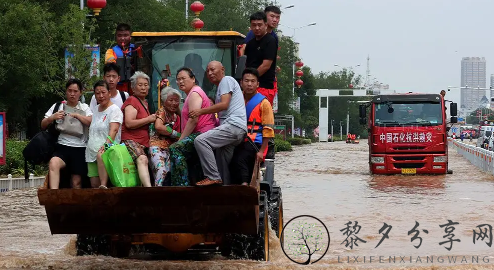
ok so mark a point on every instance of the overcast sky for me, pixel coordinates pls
(413, 45)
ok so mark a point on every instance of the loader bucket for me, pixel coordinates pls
(213, 209)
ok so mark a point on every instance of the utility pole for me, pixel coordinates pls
(348, 118)
(186, 9)
(332, 140)
(341, 132)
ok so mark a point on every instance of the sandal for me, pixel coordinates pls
(209, 182)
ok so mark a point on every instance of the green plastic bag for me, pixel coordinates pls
(121, 169)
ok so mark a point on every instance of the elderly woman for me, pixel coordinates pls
(107, 119)
(167, 127)
(191, 127)
(69, 150)
(135, 128)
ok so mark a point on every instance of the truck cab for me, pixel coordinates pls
(408, 133)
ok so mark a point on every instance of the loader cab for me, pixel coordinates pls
(163, 53)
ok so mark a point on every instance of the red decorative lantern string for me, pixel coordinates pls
(96, 6)
(197, 7)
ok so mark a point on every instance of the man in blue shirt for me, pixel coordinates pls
(273, 14)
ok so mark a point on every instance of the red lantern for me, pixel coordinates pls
(299, 83)
(197, 24)
(279, 48)
(299, 64)
(351, 86)
(299, 73)
(96, 5)
(197, 7)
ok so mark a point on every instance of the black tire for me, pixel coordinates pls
(120, 248)
(93, 244)
(276, 211)
(251, 247)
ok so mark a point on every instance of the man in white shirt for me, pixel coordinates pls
(111, 73)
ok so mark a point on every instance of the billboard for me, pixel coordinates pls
(95, 58)
(3, 137)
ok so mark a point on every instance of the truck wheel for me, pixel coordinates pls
(120, 248)
(251, 247)
(276, 211)
(93, 244)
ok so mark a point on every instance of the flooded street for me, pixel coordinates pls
(329, 181)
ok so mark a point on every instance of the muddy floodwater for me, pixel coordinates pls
(329, 181)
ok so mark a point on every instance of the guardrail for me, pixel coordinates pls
(482, 158)
(10, 183)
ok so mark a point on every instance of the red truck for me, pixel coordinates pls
(408, 133)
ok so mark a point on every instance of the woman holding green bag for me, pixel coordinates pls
(106, 122)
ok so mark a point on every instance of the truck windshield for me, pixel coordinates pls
(191, 53)
(418, 114)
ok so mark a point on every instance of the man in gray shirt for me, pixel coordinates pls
(230, 107)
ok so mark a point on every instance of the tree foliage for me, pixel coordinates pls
(33, 48)
(474, 117)
(32, 73)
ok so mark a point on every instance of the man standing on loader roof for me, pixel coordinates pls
(230, 106)
(273, 14)
(261, 53)
(121, 54)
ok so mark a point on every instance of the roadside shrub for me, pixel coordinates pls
(15, 160)
(295, 141)
(299, 141)
(281, 145)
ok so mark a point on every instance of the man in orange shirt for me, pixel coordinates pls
(121, 54)
(260, 128)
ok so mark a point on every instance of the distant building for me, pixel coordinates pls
(473, 77)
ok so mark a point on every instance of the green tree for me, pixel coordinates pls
(338, 107)
(34, 48)
(284, 76)
(486, 113)
(309, 102)
(337, 79)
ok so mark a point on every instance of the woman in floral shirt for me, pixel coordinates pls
(167, 131)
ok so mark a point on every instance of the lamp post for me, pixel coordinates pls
(341, 132)
(488, 92)
(296, 28)
(332, 140)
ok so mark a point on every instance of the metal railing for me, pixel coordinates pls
(481, 158)
(10, 183)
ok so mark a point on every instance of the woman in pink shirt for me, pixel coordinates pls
(184, 149)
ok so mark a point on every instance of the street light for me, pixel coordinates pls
(295, 28)
(290, 6)
(336, 65)
(341, 132)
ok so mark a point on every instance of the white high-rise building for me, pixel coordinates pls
(473, 82)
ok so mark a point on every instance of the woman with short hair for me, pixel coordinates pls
(107, 119)
(167, 132)
(69, 150)
(135, 128)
